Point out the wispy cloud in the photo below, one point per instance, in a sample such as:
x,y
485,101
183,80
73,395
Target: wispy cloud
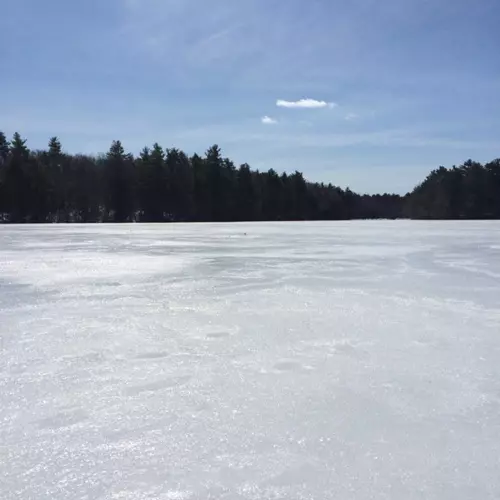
x,y
267,120
196,35
351,116
380,138
304,104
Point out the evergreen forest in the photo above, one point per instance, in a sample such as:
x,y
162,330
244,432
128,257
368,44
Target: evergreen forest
x,y
167,185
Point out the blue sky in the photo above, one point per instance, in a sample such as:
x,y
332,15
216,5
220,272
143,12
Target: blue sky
x,y
373,94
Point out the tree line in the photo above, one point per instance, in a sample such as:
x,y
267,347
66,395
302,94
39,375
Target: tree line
x,y
469,191
161,185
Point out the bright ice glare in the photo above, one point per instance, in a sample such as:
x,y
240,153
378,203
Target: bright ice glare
x,y
350,361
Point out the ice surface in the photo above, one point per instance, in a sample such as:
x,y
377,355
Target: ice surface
x,y
352,360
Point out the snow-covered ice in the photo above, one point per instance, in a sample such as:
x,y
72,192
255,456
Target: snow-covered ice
x,y
348,360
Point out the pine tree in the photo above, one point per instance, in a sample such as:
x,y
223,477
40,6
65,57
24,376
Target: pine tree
x,y
273,196
18,146
202,193
142,177
4,152
53,162
180,185
159,205
16,184
493,189
120,201
55,148
298,189
4,149
246,199
221,182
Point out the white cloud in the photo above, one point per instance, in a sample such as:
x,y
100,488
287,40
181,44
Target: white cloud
x,y
305,104
267,120
351,116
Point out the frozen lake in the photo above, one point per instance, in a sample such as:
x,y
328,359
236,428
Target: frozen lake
x,y
349,360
